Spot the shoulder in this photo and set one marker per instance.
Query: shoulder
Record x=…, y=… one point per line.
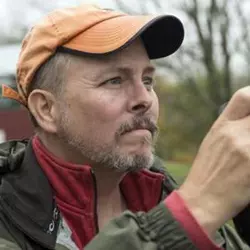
x=11, y=155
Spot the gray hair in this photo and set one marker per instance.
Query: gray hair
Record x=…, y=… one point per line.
x=51, y=76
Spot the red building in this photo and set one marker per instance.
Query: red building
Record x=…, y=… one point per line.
x=15, y=124
x=14, y=120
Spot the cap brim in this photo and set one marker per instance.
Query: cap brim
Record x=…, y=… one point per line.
x=162, y=35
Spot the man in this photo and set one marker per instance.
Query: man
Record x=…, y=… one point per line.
x=88, y=178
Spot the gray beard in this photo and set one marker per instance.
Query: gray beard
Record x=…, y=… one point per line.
x=109, y=157
x=125, y=163
x=106, y=155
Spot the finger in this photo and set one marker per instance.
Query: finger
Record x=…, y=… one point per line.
x=239, y=105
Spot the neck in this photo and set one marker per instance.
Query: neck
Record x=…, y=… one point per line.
x=61, y=149
x=110, y=201
x=107, y=178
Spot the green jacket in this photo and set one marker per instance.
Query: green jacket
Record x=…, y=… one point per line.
x=27, y=223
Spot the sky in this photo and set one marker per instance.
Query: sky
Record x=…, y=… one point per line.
x=17, y=13
x=21, y=12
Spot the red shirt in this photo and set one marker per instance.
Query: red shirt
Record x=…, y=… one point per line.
x=75, y=193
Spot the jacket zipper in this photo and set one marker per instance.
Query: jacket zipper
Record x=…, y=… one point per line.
x=95, y=202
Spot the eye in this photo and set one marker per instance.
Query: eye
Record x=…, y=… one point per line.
x=148, y=81
x=113, y=81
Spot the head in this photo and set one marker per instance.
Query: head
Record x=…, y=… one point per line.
x=103, y=108
x=85, y=75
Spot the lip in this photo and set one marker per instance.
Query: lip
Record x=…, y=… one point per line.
x=139, y=132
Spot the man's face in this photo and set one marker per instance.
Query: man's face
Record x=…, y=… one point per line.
x=109, y=110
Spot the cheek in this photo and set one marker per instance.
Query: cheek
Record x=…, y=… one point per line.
x=106, y=106
x=155, y=106
x=97, y=111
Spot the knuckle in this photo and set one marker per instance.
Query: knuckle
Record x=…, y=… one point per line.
x=230, y=138
x=237, y=144
x=242, y=95
x=240, y=147
x=227, y=132
x=232, y=143
x=235, y=139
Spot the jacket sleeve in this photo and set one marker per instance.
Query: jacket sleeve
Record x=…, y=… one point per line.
x=154, y=230
x=232, y=239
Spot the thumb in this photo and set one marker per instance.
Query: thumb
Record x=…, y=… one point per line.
x=239, y=105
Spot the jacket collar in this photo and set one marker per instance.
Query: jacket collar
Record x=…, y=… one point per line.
x=27, y=199
x=75, y=192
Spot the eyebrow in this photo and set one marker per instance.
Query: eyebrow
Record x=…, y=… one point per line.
x=147, y=69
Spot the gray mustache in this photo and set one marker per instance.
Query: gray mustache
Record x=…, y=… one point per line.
x=138, y=123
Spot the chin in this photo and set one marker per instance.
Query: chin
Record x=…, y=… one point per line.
x=131, y=161
x=145, y=149
x=130, y=157
x=146, y=154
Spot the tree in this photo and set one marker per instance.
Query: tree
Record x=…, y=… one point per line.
x=210, y=50
x=24, y=12
x=217, y=33
x=182, y=121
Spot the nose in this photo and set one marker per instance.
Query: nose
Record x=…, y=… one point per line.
x=141, y=99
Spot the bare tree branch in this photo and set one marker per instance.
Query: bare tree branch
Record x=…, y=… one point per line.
x=224, y=31
x=192, y=13
x=158, y=5
x=122, y=6
x=245, y=36
x=143, y=7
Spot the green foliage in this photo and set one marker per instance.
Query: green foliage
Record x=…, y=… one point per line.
x=184, y=120
x=178, y=170
x=186, y=115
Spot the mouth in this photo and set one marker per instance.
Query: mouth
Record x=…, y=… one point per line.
x=140, y=134
x=143, y=127
x=138, y=130
x=141, y=131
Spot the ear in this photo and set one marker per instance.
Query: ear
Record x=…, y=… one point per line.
x=42, y=105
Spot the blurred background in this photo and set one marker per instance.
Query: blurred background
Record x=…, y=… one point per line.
x=192, y=84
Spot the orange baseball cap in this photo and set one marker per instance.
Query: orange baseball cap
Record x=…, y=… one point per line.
x=91, y=30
